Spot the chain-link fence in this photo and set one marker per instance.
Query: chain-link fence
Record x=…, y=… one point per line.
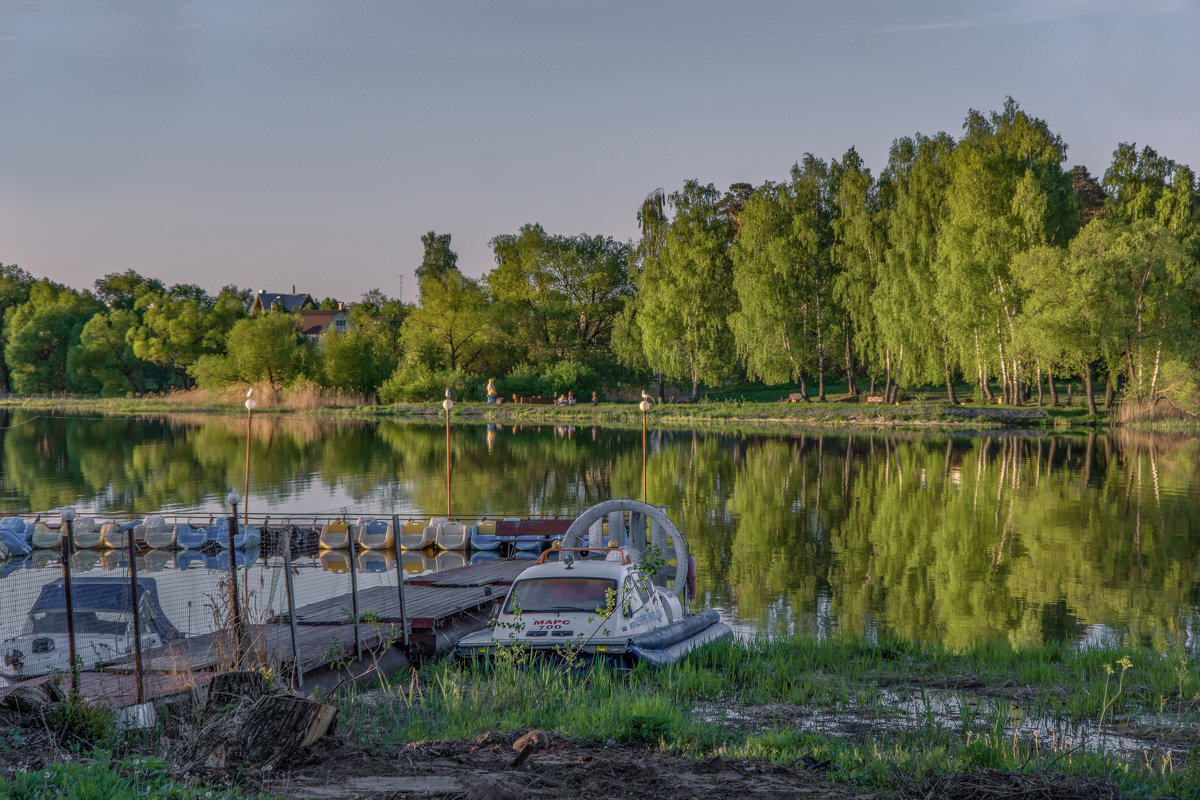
x=166, y=596
x=141, y=606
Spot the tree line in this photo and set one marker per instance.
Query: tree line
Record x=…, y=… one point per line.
x=980, y=264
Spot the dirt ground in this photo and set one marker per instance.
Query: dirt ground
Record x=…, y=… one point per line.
x=563, y=768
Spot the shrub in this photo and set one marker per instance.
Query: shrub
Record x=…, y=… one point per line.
x=418, y=384
x=565, y=376
x=523, y=381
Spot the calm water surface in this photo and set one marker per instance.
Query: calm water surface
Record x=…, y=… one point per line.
x=1088, y=539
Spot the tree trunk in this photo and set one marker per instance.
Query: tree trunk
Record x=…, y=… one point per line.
x=1154, y=379
x=1109, y=389
x=851, y=389
x=1053, y=391
x=820, y=355
x=1039, y=382
x=1087, y=385
x=887, y=374
x=695, y=396
x=953, y=399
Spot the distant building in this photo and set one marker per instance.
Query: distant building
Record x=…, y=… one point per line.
x=314, y=324
x=265, y=301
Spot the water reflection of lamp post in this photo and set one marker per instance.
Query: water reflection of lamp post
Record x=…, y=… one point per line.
x=447, y=404
x=250, y=405
x=644, y=406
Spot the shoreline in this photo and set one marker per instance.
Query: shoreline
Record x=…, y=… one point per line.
x=829, y=416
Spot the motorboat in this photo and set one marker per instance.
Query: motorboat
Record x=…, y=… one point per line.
x=626, y=602
x=103, y=622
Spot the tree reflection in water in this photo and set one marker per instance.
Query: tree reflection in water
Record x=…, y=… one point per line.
x=1028, y=538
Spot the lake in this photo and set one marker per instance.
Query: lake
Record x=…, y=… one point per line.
x=1014, y=536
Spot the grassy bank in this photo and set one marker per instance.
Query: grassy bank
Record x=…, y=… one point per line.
x=868, y=712
x=917, y=414
x=868, y=718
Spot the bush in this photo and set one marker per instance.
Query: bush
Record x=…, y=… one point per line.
x=523, y=381
x=418, y=384
x=214, y=372
x=568, y=376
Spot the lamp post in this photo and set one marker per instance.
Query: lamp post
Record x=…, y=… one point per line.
x=250, y=406
x=447, y=404
x=644, y=406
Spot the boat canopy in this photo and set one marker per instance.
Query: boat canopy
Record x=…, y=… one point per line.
x=108, y=594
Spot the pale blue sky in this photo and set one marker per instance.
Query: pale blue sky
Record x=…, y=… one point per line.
x=276, y=142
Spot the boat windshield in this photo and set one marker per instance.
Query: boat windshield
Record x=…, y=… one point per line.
x=112, y=623
x=561, y=594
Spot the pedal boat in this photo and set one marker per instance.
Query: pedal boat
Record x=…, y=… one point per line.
x=608, y=602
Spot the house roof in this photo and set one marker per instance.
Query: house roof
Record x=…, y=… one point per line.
x=290, y=302
x=317, y=322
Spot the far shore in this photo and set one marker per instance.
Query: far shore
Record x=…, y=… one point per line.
x=917, y=414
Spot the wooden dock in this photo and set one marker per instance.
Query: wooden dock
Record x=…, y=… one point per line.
x=439, y=602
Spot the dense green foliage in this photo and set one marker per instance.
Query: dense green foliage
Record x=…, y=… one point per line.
x=981, y=260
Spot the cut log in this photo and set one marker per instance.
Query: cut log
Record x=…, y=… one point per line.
x=272, y=731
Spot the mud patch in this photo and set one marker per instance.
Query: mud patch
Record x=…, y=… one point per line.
x=564, y=768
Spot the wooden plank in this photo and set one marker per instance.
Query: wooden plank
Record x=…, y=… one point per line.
x=500, y=572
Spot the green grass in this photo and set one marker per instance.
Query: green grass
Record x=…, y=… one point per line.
x=660, y=707
x=100, y=778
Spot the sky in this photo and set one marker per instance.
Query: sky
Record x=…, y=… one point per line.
x=307, y=143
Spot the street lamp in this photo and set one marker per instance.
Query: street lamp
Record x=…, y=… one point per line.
x=447, y=404
x=644, y=406
x=250, y=406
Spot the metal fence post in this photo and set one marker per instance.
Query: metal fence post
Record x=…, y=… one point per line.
x=233, y=591
x=66, y=569
x=400, y=577
x=297, y=670
x=354, y=594
x=137, y=622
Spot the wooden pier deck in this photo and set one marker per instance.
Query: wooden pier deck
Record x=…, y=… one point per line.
x=325, y=633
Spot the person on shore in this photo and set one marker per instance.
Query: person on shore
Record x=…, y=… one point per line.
x=595, y=399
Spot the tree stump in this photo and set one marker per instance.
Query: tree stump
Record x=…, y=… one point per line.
x=231, y=688
x=271, y=730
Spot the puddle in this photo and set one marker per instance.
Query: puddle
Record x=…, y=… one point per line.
x=971, y=716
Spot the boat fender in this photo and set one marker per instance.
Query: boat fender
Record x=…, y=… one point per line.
x=691, y=576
